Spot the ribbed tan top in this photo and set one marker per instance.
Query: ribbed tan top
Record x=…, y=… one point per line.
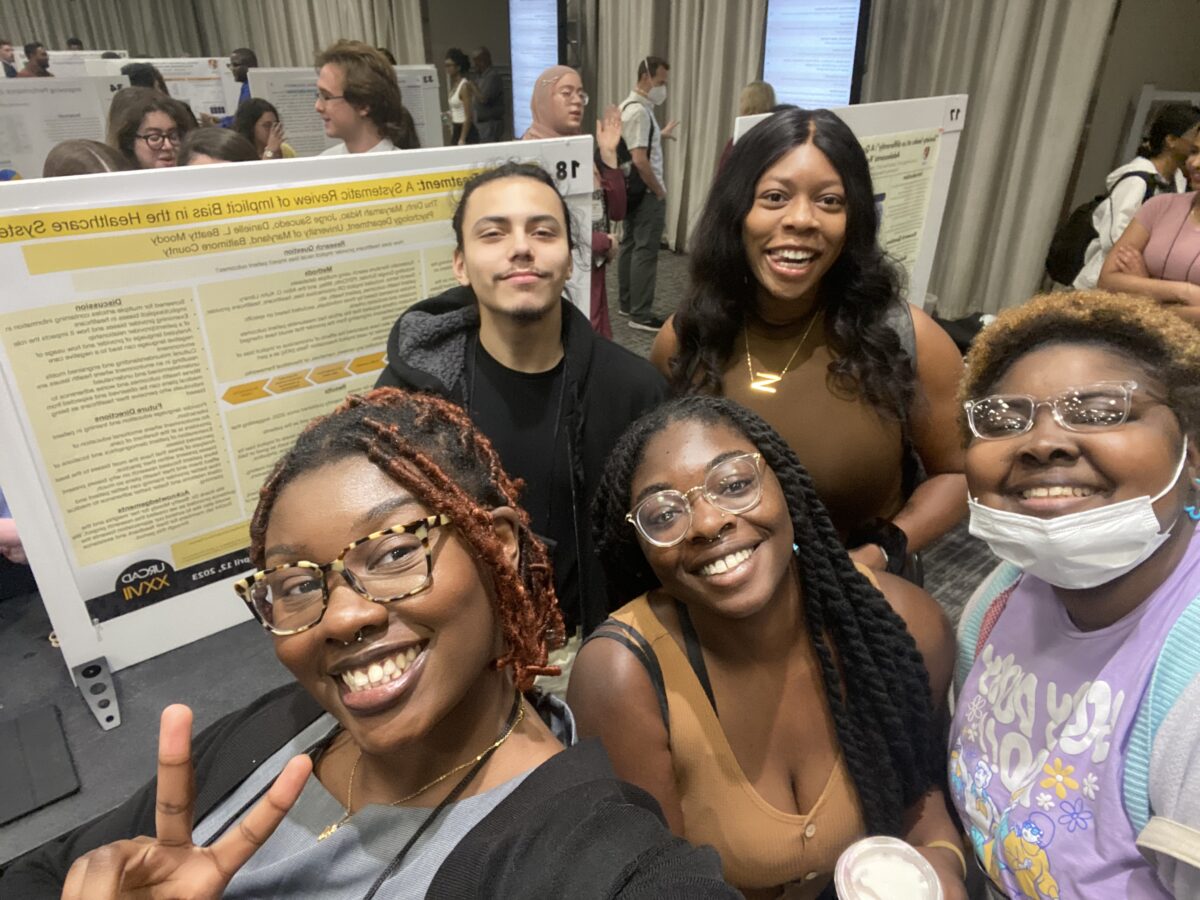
x=760, y=846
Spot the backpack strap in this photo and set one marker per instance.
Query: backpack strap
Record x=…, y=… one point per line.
x=650, y=136
x=630, y=638
x=980, y=616
x=1178, y=664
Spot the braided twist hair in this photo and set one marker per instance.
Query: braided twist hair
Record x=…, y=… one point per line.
x=874, y=677
x=430, y=446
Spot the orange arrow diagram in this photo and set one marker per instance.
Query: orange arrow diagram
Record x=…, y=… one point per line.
x=292, y=381
x=368, y=363
x=241, y=393
x=328, y=372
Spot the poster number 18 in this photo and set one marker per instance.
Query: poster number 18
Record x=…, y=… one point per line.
x=561, y=170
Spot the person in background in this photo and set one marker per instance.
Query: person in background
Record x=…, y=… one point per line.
x=1158, y=168
x=409, y=757
x=74, y=43
x=258, y=121
x=148, y=128
x=213, y=144
x=777, y=700
x=241, y=61
x=1158, y=256
x=83, y=158
x=461, y=95
x=1075, y=745
x=8, y=58
x=557, y=104
x=358, y=99
x=794, y=311
x=10, y=541
x=645, y=218
x=37, y=62
x=510, y=346
x=489, y=97
x=146, y=75
x=756, y=98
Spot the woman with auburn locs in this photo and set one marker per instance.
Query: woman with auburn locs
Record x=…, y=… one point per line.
x=776, y=698
x=795, y=312
x=414, y=607
x=1078, y=656
x=557, y=104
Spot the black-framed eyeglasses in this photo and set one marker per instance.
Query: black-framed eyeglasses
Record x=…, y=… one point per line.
x=155, y=139
x=733, y=485
x=1086, y=407
x=384, y=566
x=323, y=97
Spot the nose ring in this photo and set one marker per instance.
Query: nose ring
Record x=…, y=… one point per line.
x=358, y=639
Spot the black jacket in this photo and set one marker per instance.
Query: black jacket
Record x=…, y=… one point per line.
x=570, y=829
x=432, y=348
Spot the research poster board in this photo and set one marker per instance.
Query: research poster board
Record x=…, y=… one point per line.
x=162, y=341
x=911, y=146
x=810, y=50
x=73, y=63
x=204, y=83
x=534, y=39
x=294, y=92
x=37, y=113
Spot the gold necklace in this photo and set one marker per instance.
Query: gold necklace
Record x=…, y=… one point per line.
x=330, y=829
x=763, y=381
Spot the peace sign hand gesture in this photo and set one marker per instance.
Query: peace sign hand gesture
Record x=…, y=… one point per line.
x=170, y=865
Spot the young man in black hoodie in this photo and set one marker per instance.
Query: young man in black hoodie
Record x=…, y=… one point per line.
x=551, y=395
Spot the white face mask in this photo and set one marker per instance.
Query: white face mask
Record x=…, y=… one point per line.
x=658, y=94
x=1078, y=550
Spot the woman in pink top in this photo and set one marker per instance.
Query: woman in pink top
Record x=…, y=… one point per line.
x=1158, y=255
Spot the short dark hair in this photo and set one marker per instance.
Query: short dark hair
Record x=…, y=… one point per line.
x=80, y=157
x=33, y=47
x=248, y=114
x=509, y=170
x=219, y=143
x=144, y=74
x=456, y=56
x=73, y=42
x=650, y=66
x=249, y=57
x=5, y=42
x=1173, y=120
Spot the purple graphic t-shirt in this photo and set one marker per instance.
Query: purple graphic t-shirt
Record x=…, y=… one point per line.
x=1039, y=739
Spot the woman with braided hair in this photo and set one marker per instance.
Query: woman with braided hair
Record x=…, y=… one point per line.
x=777, y=699
x=407, y=595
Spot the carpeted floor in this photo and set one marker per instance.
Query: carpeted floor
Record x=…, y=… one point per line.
x=954, y=565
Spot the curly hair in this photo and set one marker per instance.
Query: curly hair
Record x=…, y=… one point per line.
x=857, y=292
x=430, y=446
x=370, y=83
x=874, y=677
x=1158, y=341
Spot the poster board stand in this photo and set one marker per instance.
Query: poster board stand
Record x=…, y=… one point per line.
x=911, y=146
x=165, y=335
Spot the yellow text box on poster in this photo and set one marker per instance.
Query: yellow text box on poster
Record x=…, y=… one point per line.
x=47, y=257
x=209, y=546
x=286, y=320
x=262, y=432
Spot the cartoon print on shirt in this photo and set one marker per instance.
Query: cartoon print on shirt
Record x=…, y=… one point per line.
x=1024, y=854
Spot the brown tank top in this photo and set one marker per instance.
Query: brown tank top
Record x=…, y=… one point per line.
x=760, y=846
x=854, y=455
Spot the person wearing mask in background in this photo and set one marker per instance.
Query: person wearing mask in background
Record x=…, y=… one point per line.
x=8, y=57
x=83, y=158
x=212, y=144
x=637, y=267
x=74, y=43
x=1158, y=168
x=557, y=104
x=257, y=120
x=1075, y=746
x=146, y=75
x=516, y=353
x=37, y=62
x=148, y=128
x=489, y=97
x=461, y=98
x=358, y=99
x=756, y=98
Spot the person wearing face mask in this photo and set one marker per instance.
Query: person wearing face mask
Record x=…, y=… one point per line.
x=1078, y=671
x=637, y=267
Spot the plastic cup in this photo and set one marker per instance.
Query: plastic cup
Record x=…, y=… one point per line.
x=885, y=868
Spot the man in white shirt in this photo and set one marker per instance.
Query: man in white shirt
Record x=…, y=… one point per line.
x=637, y=266
x=358, y=99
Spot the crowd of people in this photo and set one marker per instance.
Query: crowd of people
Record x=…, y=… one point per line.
x=563, y=621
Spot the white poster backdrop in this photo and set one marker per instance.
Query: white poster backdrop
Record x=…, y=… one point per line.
x=912, y=146
x=73, y=63
x=163, y=340
x=294, y=92
x=37, y=113
x=203, y=83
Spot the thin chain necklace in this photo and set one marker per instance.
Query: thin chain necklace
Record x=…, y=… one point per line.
x=514, y=721
x=763, y=381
